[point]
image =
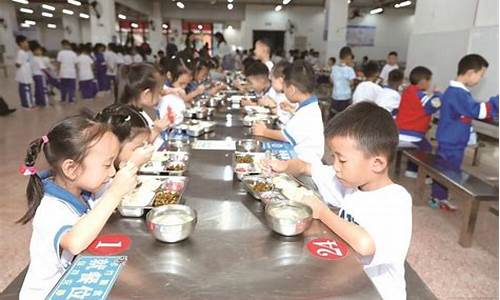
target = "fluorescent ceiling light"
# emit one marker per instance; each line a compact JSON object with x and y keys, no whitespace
{"x":47,"y":14}
{"x":278,"y":8}
{"x":123,"y":17}
{"x":134,"y":25}
{"x":75,"y":2}
{"x":29,"y":22}
{"x":180,"y":4}
{"x":230,"y":6}
{"x":376,"y":11}
{"x":229,"y":27}
{"x":48,"y":7}
{"x":67,"y":12}
{"x":229,"y":1}
{"x":26,"y":10}
{"x":25,"y":25}
{"x":21,"y":1}
{"x":285,"y":2}
{"x":164,"y":26}
{"x":402,"y":4}
{"x":84,"y":16}
{"x":52,"y":26}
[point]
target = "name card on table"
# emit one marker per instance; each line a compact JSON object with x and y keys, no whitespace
{"x":229,"y":145}
{"x":283,"y":150}
{"x":89,"y":278}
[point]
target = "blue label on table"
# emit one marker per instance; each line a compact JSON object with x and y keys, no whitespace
{"x":283,"y":150}
{"x":89,"y":277}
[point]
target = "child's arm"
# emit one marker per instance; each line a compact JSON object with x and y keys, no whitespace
{"x":260,"y":129}
{"x":469,"y":107}
{"x":430,"y":103}
{"x":198,"y":91}
{"x":81,"y":235}
{"x":357,"y":237}
{"x":294,"y":167}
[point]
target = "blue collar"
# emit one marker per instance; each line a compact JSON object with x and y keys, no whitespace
{"x":51,"y":188}
{"x":310,"y":100}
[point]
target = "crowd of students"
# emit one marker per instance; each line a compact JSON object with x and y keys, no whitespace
{"x":71,"y":202}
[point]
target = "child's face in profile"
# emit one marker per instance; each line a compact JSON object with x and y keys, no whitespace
{"x":151,"y":97}
{"x":129,"y":146}
{"x":202,"y":74}
{"x":474,"y":77}
{"x":353,"y":167}
{"x":392,"y":59}
{"x":259,"y":83}
{"x":290,"y":92}
{"x":183,"y":80}
{"x":425,"y":84}
{"x":277,"y":83}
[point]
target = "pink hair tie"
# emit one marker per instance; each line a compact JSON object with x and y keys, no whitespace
{"x":45,"y":139}
{"x":27,"y":171}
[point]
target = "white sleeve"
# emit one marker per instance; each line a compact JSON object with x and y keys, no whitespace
{"x":59,"y":58}
{"x":328,"y":186}
{"x":352,"y":74}
{"x":19,"y":58}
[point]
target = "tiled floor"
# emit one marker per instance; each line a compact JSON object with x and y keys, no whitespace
{"x":450,"y":271}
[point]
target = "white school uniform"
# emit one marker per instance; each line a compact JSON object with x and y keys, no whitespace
{"x":137,"y":58}
{"x":111,"y":59}
{"x":67,"y":59}
{"x":283,"y":116}
{"x":127,"y":59}
{"x":59,"y":210}
{"x":389,"y":99}
{"x":269,"y":64}
{"x":84,"y":63}
{"x":386,"y":215}
{"x":23,"y":73}
{"x":37,"y":65}
{"x":384,"y":74}
{"x":119,"y":59}
{"x":366,"y":91}
{"x":305,"y":131}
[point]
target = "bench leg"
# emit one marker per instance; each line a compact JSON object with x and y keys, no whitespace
{"x":397,"y":163}
{"x":420,"y":187}
{"x":469,"y":222}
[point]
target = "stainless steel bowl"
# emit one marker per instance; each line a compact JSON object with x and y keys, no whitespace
{"x":249,"y":145}
{"x":288,"y":218}
{"x":171,"y":223}
{"x":178,"y":145}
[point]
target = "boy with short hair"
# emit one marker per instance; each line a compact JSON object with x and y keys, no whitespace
{"x":389,"y":97}
{"x":262,"y":52}
{"x":457,"y":111}
{"x":375,"y":216}
{"x":257,"y":76}
{"x":23,"y":73}
{"x":392,"y":64}
{"x":39,"y":68}
{"x":415,"y":113}
{"x":305,"y":129}
{"x":67,"y":72}
{"x":342,"y":77}
{"x":368,"y":89}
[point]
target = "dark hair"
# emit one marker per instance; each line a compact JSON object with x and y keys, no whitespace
{"x":370,"y":69}
{"x":20,"y":38}
{"x":180,"y":67}
{"x":279,"y":69}
{"x":420,"y":73}
{"x":135,"y":78}
{"x":123,"y":119}
{"x":247,"y":62}
{"x":344,"y":52}
{"x":265,"y":43}
{"x":257,"y":69}
{"x":65,"y":43}
{"x":332,"y":59}
{"x":471,"y":62}
{"x":69,"y":139}
{"x":301,"y":75}
{"x":371,"y":126}
{"x":395,"y":76}
{"x":393,"y":53}
{"x":201,"y":64}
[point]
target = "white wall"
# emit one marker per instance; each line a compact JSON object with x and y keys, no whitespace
{"x":392,"y":33}
{"x":8,"y":13}
{"x":72,"y":28}
{"x":445,"y":32}
{"x":51,"y":38}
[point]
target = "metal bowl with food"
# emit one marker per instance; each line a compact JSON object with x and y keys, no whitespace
{"x":248,"y":145}
{"x":257,"y":185}
{"x":171,"y":223}
{"x":175,"y":167}
{"x":288,"y":218}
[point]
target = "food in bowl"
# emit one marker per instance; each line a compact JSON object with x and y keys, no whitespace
{"x":244,"y":159}
{"x":165,"y":197}
{"x":261,"y":187}
{"x":172,"y":219}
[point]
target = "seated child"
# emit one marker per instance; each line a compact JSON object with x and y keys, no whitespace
{"x":392,"y":64}
{"x":415,"y":113}
{"x":389,"y":97}
{"x":305,"y":129}
{"x":201,"y":83}
{"x":457,"y":111}
{"x":375,"y":216}
{"x":368,"y":89}
{"x":257,"y":75}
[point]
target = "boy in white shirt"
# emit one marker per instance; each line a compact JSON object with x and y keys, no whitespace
{"x":392,"y":63}
{"x":375,"y":214}
{"x":389,"y":97}
{"x":38,"y":67}
{"x":111,"y":59}
{"x":24,"y":76}
{"x":342,"y":78}
{"x":262,"y":52}
{"x":67,"y":72}
{"x":368,"y":89}
{"x":305,"y":129}
{"x":87,"y":83}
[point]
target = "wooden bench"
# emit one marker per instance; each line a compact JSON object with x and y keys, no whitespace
{"x":459,"y":183}
{"x":399,"y":154}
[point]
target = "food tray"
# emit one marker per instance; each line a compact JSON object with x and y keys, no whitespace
{"x":200,"y":128}
{"x":256,"y":109}
{"x":249,"y":120}
{"x":142,"y":198}
{"x":249,"y":185}
{"x":247,"y":168}
{"x":161,"y":160}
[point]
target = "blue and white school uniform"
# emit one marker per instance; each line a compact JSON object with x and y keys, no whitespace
{"x":87,"y":83}
{"x":305,"y":131}
{"x":283,"y":116}
{"x":37,"y":66}
{"x":24,"y":78}
{"x":389,"y":99}
{"x":100,"y":71}
{"x":112,"y":66}
{"x":59,"y":210}
{"x":67,"y":74}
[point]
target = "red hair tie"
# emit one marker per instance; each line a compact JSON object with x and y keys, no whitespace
{"x":27,"y":171}
{"x":45,"y":140}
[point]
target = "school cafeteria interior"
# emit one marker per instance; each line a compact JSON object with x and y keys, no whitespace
{"x":249,"y":149}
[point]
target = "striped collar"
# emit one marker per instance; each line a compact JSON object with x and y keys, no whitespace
{"x":310,"y":100}
{"x":457,"y":84}
{"x":51,"y":188}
